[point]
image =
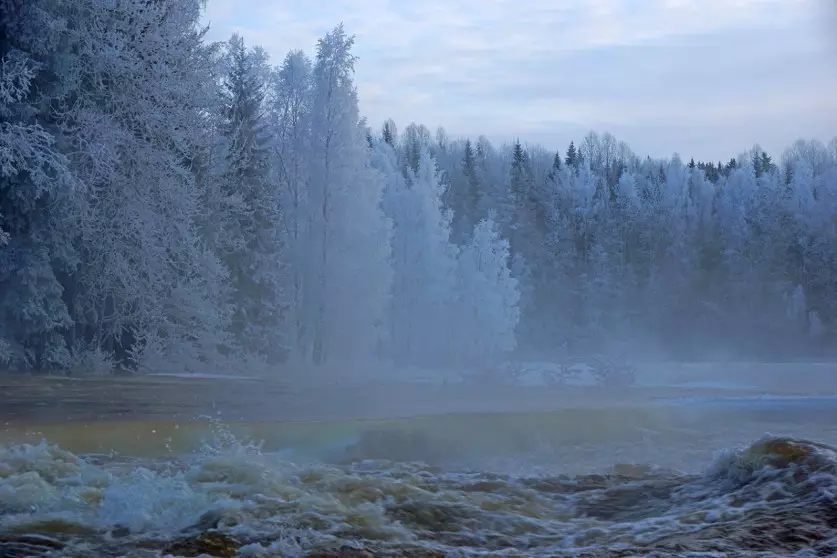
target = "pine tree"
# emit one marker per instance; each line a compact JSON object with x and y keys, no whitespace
{"x":531,"y":220}
{"x":556,"y":167}
{"x":38,"y":193}
{"x":424,"y":263}
{"x":415,"y":139}
{"x":573,"y":159}
{"x":730,"y":166}
{"x":472,"y":197}
{"x":463,"y":196}
{"x":519,"y":174}
{"x":766,"y":163}
{"x":389,"y":133}
{"x":148,"y":288}
{"x":251,"y":247}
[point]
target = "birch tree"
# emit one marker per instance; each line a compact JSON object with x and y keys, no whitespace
{"x":349,"y":232}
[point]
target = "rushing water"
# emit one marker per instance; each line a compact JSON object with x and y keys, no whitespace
{"x":685,"y":478}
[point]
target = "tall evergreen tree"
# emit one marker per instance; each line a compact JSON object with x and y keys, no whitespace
{"x":573,"y":159}
{"x":251,"y":248}
{"x":389,"y":133}
{"x":146,"y":288}
{"x":424,"y":263}
{"x":37,"y":194}
{"x":556,"y":167}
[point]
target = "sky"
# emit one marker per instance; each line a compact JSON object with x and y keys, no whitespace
{"x":704,"y":78}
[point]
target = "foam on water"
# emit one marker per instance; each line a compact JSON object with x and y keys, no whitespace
{"x":773,"y":497}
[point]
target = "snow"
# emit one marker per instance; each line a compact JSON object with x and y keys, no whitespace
{"x":215,"y":210}
{"x":535,"y":374}
{"x":201,"y":376}
{"x":708,"y":384}
{"x":543,"y":374}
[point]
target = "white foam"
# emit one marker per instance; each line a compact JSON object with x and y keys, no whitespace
{"x":250,"y":493}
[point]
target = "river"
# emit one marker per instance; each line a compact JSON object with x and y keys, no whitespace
{"x":153,"y":467}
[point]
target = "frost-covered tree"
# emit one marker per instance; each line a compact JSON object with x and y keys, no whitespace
{"x":349,"y":232}
{"x":423,"y":261}
{"x":416,"y":139}
{"x":250,"y":239}
{"x":289,"y":103}
{"x":462,"y":196}
{"x":166,"y":202}
{"x":36,"y":193}
{"x":38,"y":190}
{"x":488,"y":300}
{"x":131,"y":114}
{"x":389,"y":132}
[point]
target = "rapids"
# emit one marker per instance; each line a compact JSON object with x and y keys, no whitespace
{"x":232,"y":497}
{"x":688,"y":476}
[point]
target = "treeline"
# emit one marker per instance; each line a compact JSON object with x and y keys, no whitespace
{"x":169,"y":203}
{"x":174,"y":204}
{"x":630,"y":255}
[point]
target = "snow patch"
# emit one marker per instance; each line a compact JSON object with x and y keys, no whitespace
{"x":717,"y":384}
{"x":200,"y":376}
{"x":555,"y":374}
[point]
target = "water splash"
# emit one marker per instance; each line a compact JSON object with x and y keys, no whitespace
{"x":776,"y":495}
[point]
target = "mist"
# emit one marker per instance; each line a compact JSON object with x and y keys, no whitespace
{"x":239,"y":319}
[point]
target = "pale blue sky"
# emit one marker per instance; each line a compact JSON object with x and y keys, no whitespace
{"x":705,"y":78}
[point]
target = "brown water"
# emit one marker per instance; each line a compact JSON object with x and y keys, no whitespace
{"x":140,"y":467}
{"x":153,"y":398}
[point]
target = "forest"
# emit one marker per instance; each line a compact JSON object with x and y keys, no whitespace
{"x":169,"y":203}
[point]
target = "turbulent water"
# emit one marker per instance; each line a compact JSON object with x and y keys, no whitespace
{"x":421,"y":490}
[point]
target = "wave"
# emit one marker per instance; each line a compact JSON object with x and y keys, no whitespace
{"x":776,"y":496}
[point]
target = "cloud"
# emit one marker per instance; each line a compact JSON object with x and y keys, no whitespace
{"x":682,"y":69}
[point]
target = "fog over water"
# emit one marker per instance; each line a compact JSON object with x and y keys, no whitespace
{"x":238,"y":319}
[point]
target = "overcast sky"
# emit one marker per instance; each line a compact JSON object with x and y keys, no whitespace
{"x":704,"y":78}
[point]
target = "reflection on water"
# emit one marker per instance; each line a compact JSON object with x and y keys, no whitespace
{"x":637,"y":479}
{"x":432,"y":438}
